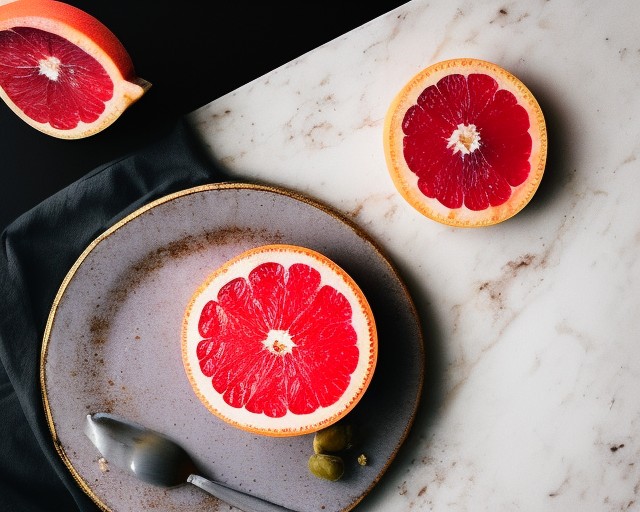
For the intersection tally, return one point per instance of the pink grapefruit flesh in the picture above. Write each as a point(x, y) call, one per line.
point(465, 143)
point(279, 341)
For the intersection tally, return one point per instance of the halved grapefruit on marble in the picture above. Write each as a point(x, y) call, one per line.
point(62, 71)
point(465, 143)
point(279, 341)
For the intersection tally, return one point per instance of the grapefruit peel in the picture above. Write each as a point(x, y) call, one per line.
point(78, 28)
point(461, 138)
point(279, 341)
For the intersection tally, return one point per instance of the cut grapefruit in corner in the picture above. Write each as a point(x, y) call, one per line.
point(279, 341)
point(62, 71)
point(465, 143)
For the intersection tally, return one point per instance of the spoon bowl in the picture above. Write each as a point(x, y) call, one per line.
point(158, 460)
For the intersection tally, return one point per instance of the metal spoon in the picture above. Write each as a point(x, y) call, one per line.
point(158, 460)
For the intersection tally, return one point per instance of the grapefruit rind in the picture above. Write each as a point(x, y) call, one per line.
point(406, 180)
point(93, 37)
point(290, 424)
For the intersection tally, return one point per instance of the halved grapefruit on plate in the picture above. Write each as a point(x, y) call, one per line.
point(279, 341)
point(62, 71)
point(465, 142)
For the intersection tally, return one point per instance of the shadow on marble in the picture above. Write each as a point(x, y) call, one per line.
point(430, 401)
point(558, 171)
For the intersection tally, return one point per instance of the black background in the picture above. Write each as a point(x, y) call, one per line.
point(192, 53)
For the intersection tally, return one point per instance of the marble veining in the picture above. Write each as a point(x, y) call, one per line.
point(531, 326)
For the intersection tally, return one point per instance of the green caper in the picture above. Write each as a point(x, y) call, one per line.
point(334, 438)
point(328, 467)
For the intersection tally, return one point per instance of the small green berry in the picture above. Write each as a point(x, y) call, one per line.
point(327, 467)
point(334, 438)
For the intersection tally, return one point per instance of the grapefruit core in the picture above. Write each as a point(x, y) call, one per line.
point(465, 143)
point(279, 341)
point(62, 71)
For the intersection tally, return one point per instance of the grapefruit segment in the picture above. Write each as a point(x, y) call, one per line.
point(62, 71)
point(279, 341)
point(465, 143)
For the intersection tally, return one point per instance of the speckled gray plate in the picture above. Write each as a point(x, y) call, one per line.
point(112, 343)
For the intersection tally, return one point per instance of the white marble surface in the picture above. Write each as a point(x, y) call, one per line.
point(531, 326)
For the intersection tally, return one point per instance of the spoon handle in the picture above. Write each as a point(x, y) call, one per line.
point(243, 501)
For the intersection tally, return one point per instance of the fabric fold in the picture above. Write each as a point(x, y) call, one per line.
point(36, 252)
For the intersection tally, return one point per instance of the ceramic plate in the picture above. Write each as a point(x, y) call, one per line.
point(112, 343)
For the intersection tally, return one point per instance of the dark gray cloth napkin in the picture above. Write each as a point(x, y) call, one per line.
point(38, 249)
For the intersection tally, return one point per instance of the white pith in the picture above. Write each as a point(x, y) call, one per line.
point(279, 342)
point(465, 139)
point(50, 67)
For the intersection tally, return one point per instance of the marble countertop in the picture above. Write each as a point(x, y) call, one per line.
point(531, 326)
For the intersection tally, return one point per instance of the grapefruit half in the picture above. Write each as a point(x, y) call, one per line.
point(465, 143)
point(279, 341)
point(62, 71)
